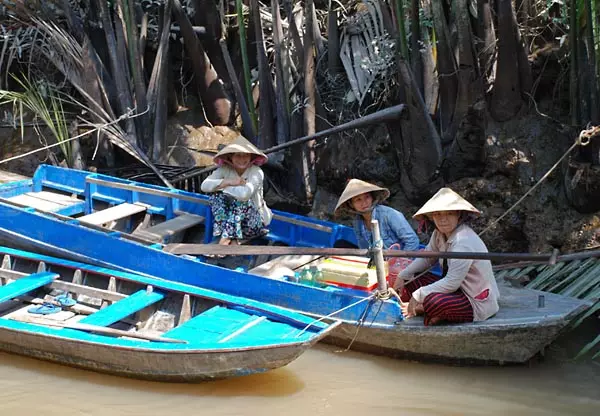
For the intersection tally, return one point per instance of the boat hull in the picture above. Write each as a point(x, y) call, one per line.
point(179, 366)
point(503, 339)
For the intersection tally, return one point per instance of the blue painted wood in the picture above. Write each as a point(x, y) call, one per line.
point(25, 285)
point(93, 246)
point(129, 256)
point(210, 325)
point(123, 308)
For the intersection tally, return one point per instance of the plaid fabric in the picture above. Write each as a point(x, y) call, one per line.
point(451, 307)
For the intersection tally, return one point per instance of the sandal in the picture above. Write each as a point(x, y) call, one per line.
point(45, 309)
point(65, 300)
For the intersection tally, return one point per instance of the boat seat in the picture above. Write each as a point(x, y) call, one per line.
point(111, 214)
point(49, 202)
point(218, 324)
point(123, 308)
point(161, 232)
point(25, 285)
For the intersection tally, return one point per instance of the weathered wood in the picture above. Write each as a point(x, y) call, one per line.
point(112, 214)
point(99, 330)
point(200, 249)
point(45, 201)
point(69, 287)
point(160, 232)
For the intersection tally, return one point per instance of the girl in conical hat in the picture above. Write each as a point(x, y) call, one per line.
point(467, 291)
point(238, 208)
point(363, 201)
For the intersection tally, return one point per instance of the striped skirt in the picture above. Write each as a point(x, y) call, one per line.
point(450, 307)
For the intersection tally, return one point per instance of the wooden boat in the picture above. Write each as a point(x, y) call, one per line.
point(120, 323)
point(78, 215)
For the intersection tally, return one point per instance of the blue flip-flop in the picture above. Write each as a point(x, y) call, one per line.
point(65, 300)
point(45, 309)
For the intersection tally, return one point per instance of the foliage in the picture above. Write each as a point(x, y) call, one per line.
point(46, 103)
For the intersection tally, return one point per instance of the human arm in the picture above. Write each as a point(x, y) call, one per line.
point(243, 191)
point(403, 232)
point(217, 181)
point(360, 235)
point(457, 271)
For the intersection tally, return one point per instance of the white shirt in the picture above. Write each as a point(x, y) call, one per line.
point(252, 190)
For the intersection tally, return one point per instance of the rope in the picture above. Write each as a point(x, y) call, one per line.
point(582, 140)
point(95, 129)
point(336, 312)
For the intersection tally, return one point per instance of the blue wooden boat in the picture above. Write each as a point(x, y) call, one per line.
point(124, 324)
point(125, 225)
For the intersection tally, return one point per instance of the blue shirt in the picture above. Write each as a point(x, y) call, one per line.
point(393, 228)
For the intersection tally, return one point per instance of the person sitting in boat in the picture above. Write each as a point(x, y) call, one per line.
point(238, 208)
point(467, 291)
point(363, 200)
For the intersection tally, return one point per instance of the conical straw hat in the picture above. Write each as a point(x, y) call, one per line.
point(240, 145)
point(445, 200)
point(356, 187)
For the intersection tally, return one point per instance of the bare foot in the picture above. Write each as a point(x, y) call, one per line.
point(419, 309)
point(224, 241)
point(435, 320)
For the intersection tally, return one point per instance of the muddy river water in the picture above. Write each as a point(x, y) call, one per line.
point(323, 381)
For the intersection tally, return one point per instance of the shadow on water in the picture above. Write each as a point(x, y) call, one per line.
point(274, 383)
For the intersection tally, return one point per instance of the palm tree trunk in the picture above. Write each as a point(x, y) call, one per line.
point(266, 137)
point(506, 95)
point(118, 71)
point(214, 98)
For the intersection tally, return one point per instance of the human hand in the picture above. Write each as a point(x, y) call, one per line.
point(398, 284)
point(409, 309)
point(239, 181)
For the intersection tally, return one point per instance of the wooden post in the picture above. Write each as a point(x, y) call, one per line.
point(379, 262)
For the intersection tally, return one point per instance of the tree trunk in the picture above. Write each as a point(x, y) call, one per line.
point(157, 91)
point(135, 63)
point(282, 73)
point(118, 70)
point(416, 60)
point(207, 15)
point(591, 63)
point(419, 144)
point(469, 89)
point(447, 69)
point(506, 95)
point(210, 90)
point(574, 73)
point(266, 136)
point(487, 43)
point(333, 43)
point(308, 152)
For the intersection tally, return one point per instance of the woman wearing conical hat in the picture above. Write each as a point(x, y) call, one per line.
point(467, 291)
point(363, 201)
point(238, 208)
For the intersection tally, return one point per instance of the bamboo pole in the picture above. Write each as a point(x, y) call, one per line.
point(379, 261)
point(243, 250)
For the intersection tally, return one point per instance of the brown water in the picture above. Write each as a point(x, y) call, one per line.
point(323, 381)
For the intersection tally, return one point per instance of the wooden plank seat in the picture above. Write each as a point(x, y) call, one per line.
point(25, 285)
point(218, 324)
point(123, 308)
point(76, 288)
point(111, 214)
point(46, 201)
point(161, 232)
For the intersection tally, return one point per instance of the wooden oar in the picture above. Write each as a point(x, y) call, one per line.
point(98, 329)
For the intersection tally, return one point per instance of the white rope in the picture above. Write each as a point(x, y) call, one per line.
point(95, 129)
point(336, 312)
point(587, 134)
